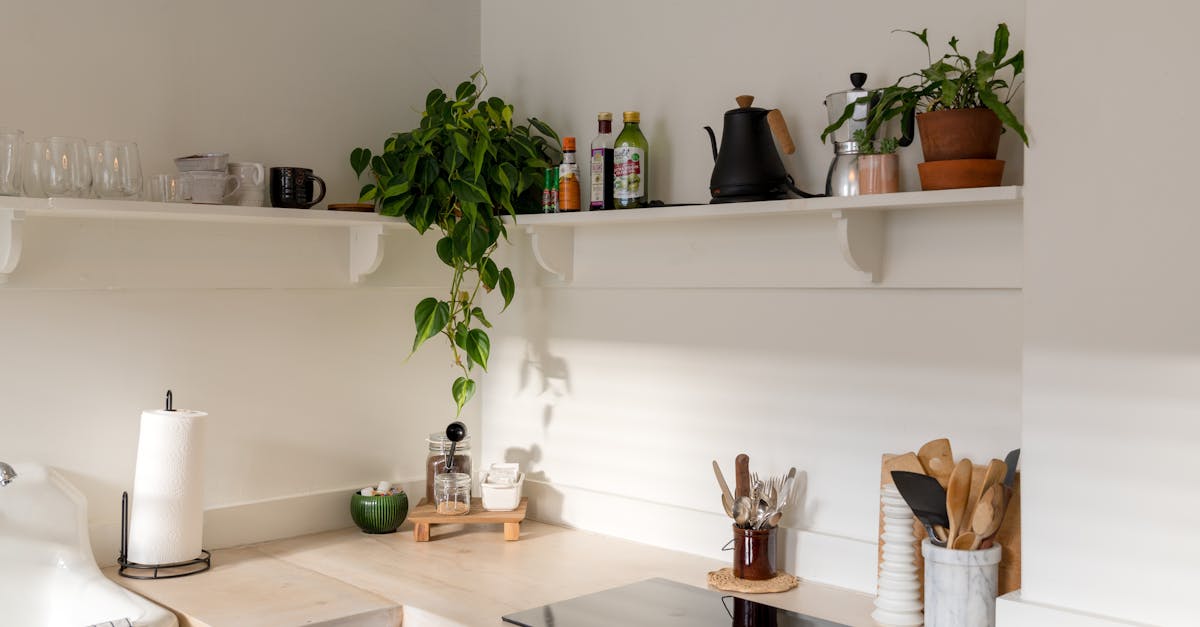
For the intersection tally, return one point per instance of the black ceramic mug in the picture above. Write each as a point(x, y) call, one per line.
point(293, 188)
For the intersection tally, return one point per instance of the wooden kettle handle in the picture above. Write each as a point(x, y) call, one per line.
point(780, 130)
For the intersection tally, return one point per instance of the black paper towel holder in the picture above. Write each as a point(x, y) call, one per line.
point(178, 569)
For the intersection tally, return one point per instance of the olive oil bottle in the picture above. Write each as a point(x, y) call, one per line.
point(630, 160)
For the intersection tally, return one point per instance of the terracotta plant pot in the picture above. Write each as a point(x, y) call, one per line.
point(959, 134)
point(960, 173)
point(878, 174)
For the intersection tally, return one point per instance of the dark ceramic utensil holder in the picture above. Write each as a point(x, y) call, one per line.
point(754, 553)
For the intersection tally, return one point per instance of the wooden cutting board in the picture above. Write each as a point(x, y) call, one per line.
point(1009, 536)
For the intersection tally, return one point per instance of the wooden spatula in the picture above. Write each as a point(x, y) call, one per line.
point(937, 459)
point(907, 462)
point(958, 491)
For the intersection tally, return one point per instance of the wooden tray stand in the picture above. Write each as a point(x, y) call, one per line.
point(425, 515)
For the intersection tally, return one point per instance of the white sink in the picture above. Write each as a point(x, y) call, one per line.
point(48, 576)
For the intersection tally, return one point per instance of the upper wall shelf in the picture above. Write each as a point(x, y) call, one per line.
point(365, 229)
point(860, 221)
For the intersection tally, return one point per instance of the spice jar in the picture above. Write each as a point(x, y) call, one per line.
point(435, 464)
point(452, 493)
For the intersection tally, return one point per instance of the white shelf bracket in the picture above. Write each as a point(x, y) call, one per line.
point(10, 241)
point(554, 249)
point(366, 250)
point(860, 236)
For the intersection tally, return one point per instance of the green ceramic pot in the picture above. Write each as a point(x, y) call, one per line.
point(379, 514)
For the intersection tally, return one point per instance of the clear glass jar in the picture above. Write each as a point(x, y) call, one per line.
point(435, 463)
point(452, 493)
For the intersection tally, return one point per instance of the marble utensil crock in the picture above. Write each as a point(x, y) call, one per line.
point(960, 586)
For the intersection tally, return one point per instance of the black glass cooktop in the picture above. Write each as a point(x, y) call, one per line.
point(661, 603)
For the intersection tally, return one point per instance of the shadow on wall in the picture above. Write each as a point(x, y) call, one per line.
point(548, 504)
point(552, 372)
point(799, 514)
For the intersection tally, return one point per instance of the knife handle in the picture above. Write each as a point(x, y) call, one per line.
point(741, 474)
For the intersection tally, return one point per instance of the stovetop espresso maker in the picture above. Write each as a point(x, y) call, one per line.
point(748, 167)
point(842, 179)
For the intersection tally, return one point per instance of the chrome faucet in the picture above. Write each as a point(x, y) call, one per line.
point(7, 474)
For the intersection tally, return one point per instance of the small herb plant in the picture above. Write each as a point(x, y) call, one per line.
point(954, 81)
point(464, 166)
point(867, 146)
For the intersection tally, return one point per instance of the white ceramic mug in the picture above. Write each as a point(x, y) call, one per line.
point(250, 174)
point(212, 188)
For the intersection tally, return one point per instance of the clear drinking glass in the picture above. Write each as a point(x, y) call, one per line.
point(169, 188)
point(56, 166)
point(10, 162)
point(116, 169)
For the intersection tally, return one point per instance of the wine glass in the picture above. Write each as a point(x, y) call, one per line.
point(116, 169)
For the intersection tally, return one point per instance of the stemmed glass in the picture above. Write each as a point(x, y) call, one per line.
point(116, 169)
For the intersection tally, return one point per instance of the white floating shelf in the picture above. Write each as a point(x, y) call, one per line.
point(365, 229)
point(860, 221)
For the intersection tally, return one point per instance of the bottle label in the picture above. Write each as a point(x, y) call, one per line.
point(597, 195)
point(628, 183)
point(568, 187)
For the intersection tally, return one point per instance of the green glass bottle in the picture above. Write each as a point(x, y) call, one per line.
point(630, 160)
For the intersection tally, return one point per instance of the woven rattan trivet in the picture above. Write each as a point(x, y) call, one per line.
point(724, 580)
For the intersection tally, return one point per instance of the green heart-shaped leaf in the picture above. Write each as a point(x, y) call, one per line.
point(431, 317)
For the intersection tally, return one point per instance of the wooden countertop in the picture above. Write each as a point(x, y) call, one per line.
point(465, 576)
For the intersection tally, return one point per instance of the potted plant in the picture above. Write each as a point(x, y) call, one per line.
point(960, 106)
point(878, 164)
point(466, 164)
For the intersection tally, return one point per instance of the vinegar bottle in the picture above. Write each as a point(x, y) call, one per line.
point(630, 160)
point(602, 165)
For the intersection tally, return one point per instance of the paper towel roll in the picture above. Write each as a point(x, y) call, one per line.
point(166, 521)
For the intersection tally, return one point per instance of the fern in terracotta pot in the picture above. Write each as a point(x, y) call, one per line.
point(959, 104)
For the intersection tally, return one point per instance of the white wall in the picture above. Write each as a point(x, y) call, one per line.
point(304, 376)
point(1111, 352)
point(682, 66)
point(618, 390)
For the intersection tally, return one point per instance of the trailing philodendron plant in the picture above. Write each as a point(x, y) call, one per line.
point(456, 174)
point(954, 81)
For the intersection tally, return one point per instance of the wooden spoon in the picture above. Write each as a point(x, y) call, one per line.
point(937, 459)
point(993, 475)
point(988, 514)
point(965, 541)
point(958, 491)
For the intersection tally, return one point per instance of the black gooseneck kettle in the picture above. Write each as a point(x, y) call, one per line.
point(748, 167)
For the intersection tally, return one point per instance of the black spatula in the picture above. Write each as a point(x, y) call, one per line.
point(927, 499)
point(1011, 462)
